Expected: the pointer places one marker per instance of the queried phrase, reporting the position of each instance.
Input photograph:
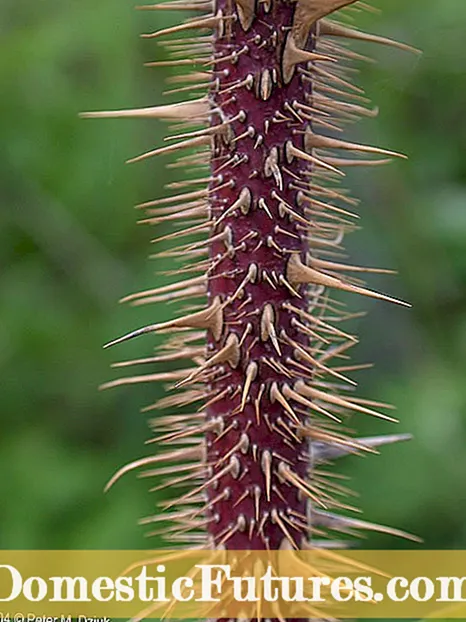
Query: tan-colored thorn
(181, 294)
(195, 109)
(250, 277)
(191, 78)
(266, 467)
(326, 142)
(303, 353)
(241, 522)
(302, 388)
(181, 62)
(265, 84)
(299, 274)
(293, 55)
(177, 5)
(230, 353)
(244, 443)
(276, 395)
(346, 524)
(267, 327)
(262, 204)
(271, 167)
(170, 376)
(251, 375)
(307, 13)
(293, 478)
(233, 468)
(331, 265)
(210, 318)
(277, 520)
(352, 162)
(183, 353)
(200, 228)
(292, 151)
(184, 144)
(246, 10)
(198, 280)
(221, 129)
(243, 203)
(257, 495)
(257, 403)
(216, 426)
(332, 439)
(182, 198)
(196, 453)
(307, 196)
(334, 29)
(290, 394)
(206, 22)
(327, 77)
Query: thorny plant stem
(254, 415)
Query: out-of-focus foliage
(69, 248)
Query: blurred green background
(70, 247)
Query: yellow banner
(57, 586)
